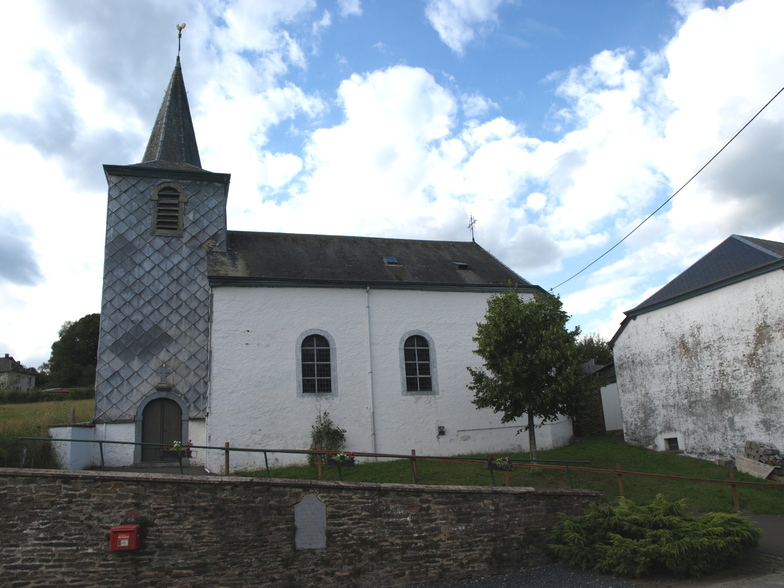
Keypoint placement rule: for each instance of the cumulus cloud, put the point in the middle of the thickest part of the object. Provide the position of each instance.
(458, 22)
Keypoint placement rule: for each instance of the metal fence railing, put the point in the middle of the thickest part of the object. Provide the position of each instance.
(323, 458)
(569, 467)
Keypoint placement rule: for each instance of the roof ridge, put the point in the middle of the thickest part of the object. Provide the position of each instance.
(757, 244)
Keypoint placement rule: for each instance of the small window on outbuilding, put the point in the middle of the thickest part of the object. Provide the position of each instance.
(168, 208)
(390, 260)
(461, 265)
(672, 444)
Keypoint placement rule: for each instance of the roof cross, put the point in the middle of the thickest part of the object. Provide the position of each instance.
(471, 224)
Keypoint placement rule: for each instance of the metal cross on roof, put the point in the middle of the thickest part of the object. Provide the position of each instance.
(471, 223)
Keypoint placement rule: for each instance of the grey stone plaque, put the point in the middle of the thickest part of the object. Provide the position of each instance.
(310, 518)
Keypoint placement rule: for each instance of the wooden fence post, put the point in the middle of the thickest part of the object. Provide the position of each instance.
(319, 464)
(413, 462)
(226, 460)
(620, 478)
(734, 488)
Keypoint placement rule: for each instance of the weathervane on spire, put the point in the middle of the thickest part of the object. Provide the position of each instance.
(179, 37)
(471, 223)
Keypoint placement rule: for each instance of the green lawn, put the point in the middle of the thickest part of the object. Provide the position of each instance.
(602, 453)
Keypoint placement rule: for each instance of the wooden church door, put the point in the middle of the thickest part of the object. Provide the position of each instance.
(161, 423)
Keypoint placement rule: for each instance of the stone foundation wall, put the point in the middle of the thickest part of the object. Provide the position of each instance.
(226, 531)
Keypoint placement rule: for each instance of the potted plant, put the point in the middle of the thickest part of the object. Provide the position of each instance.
(177, 450)
(502, 463)
(340, 459)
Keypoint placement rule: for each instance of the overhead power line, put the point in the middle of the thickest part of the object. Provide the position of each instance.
(663, 204)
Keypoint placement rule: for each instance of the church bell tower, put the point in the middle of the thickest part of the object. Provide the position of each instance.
(164, 216)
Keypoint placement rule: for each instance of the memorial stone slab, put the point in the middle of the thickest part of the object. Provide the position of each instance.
(310, 519)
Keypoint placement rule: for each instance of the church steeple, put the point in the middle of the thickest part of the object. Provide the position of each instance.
(172, 141)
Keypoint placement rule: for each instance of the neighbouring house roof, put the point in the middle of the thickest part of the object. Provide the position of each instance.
(9, 364)
(735, 259)
(172, 142)
(267, 259)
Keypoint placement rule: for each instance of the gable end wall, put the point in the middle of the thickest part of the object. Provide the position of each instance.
(708, 370)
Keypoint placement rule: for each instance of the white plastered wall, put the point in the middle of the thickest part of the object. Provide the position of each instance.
(708, 370)
(254, 401)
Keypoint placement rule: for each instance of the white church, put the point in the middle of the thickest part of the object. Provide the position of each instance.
(219, 336)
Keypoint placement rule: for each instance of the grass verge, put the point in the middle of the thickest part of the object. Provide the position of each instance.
(601, 452)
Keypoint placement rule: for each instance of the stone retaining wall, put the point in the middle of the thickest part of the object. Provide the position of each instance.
(227, 531)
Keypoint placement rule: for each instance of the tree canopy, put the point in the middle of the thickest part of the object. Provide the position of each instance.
(531, 361)
(594, 347)
(75, 353)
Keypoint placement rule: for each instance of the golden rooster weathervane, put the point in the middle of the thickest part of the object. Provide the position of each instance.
(179, 37)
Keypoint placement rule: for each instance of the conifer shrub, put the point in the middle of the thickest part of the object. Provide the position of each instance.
(635, 541)
(325, 434)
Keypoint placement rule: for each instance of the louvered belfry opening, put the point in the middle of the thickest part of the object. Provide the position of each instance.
(162, 424)
(167, 216)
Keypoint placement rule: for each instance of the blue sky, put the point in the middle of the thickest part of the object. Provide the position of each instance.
(558, 125)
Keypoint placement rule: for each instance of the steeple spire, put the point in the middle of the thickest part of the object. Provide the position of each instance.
(172, 141)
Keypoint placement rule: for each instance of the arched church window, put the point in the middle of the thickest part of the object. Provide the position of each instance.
(316, 365)
(418, 364)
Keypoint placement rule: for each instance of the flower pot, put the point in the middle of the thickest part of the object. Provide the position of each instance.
(348, 463)
(489, 465)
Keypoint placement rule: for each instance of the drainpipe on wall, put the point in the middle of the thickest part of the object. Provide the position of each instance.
(370, 373)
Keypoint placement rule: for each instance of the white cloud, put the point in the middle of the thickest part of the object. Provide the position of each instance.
(458, 22)
(350, 7)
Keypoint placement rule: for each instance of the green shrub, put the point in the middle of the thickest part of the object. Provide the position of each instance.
(325, 434)
(634, 541)
(15, 453)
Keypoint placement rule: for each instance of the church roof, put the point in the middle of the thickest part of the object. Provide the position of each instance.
(291, 259)
(735, 259)
(172, 142)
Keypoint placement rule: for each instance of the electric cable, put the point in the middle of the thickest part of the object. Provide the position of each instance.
(647, 218)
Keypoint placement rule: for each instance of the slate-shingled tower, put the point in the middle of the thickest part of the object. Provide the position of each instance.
(164, 215)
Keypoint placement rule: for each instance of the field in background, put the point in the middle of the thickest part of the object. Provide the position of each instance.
(34, 420)
(45, 414)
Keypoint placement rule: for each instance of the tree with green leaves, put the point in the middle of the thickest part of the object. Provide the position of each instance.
(75, 353)
(594, 347)
(531, 361)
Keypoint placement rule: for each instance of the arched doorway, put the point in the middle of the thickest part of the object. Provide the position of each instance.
(161, 423)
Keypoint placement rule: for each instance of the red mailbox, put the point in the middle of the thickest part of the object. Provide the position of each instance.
(125, 537)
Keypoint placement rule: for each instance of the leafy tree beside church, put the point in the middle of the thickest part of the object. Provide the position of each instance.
(74, 354)
(532, 364)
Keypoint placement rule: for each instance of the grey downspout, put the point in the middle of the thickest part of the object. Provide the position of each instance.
(370, 372)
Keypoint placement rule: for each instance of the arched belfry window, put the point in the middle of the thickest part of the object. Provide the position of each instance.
(418, 366)
(316, 365)
(168, 208)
